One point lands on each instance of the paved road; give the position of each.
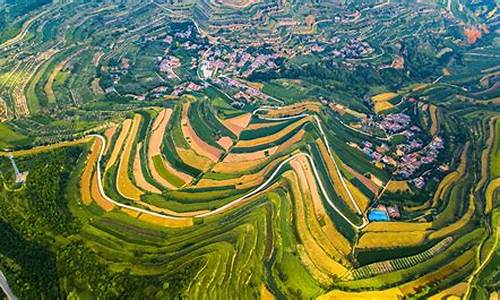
(5, 287)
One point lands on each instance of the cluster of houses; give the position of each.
(410, 163)
(238, 62)
(379, 154)
(393, 123)
(168, 64)
(408, 157)
(353, 48)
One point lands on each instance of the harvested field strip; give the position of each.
(98, 197)
(139, 176)
(365, 181)
(86, 177)
(381, 101)
(209, 115)
(401, 263)
(361, 199)
(292, 141)
(391, 239)
(383, 97)
(237, 124)
(273, 137)
(198, 145)
(117, 147)
(225, 142)
(124, 185)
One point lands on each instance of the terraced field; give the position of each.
(249, 149)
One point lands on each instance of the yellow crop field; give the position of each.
(326, 234)
(361, 199)
(98, 197)
(391, 239)
(295, 109)
(85, 180)
(124, 185)
(167, 221)
(445, 231)
(381, 106)
(396, 226)
(458, 290)
(433, 111)
(318, 256)
(237, 166)
(189, 157)
(490, 193)
(296, 138)
(255, 126)
(389, 294)
(381, 101)
(117, 148)
(265, 294)
(398, 186)
(384, 97)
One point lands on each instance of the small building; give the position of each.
(393, 212)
